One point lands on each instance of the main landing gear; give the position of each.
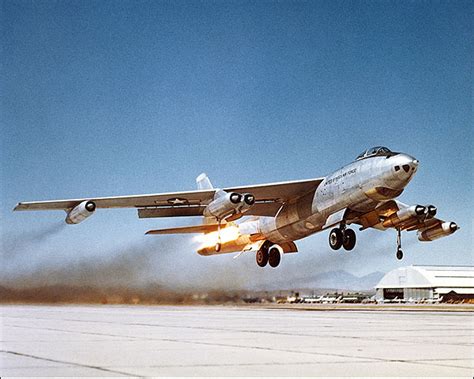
(399, 244)
(262, 257)
(268, 254)
(342, 237)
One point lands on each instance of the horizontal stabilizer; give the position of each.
(205, 228)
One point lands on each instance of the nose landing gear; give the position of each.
(342, 237)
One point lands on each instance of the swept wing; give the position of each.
(269, 198)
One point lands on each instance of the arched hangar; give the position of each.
(432, 283)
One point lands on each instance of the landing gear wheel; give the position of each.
(336, 238)
(349, 239)
(274, 257)
(399, 254)
(218, 247)
(262, 257)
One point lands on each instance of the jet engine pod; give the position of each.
(235, 198)
(404, 215)
(80, 212)
(227, 204)
(249, 199)
(431, 211)
(438, 231)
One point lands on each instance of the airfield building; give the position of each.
(429, 283)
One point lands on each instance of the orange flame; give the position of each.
(230, 233)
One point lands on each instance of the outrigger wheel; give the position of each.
(399, 244)
(399, 254)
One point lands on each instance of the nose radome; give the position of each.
(413, 163)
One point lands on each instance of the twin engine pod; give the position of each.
(441, 230)
(227, 204)
(80, 212)
(409, 215)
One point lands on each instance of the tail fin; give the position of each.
(203, 182)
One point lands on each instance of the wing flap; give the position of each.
(205, 228)
(170, 212)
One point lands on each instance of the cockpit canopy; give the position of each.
(377, 151)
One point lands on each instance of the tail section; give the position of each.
(203, 182)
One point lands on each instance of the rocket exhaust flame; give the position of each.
(228, 234)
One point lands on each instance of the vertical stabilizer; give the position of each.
(203, 182)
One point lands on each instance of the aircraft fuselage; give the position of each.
(360, 186)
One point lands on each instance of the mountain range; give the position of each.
(338, 279)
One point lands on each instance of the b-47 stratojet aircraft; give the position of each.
(361, 193)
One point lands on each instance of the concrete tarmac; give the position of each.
(232, 341)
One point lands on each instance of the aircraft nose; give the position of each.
(412, 165)
(405, 164)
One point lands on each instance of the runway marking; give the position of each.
(244, 331)
(375, 338)
(236, 333)
(362, 358)
(66, 362)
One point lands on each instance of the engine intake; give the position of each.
(80, 212)
(249, 199)
(235, 198)
(431, 211)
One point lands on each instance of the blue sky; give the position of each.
(125, 97)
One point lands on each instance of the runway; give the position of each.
(232, 341)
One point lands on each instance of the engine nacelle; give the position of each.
(405, 214)
(431, 211)
(438, 231)
(247, 201)
(80, 212)
(227, 204)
